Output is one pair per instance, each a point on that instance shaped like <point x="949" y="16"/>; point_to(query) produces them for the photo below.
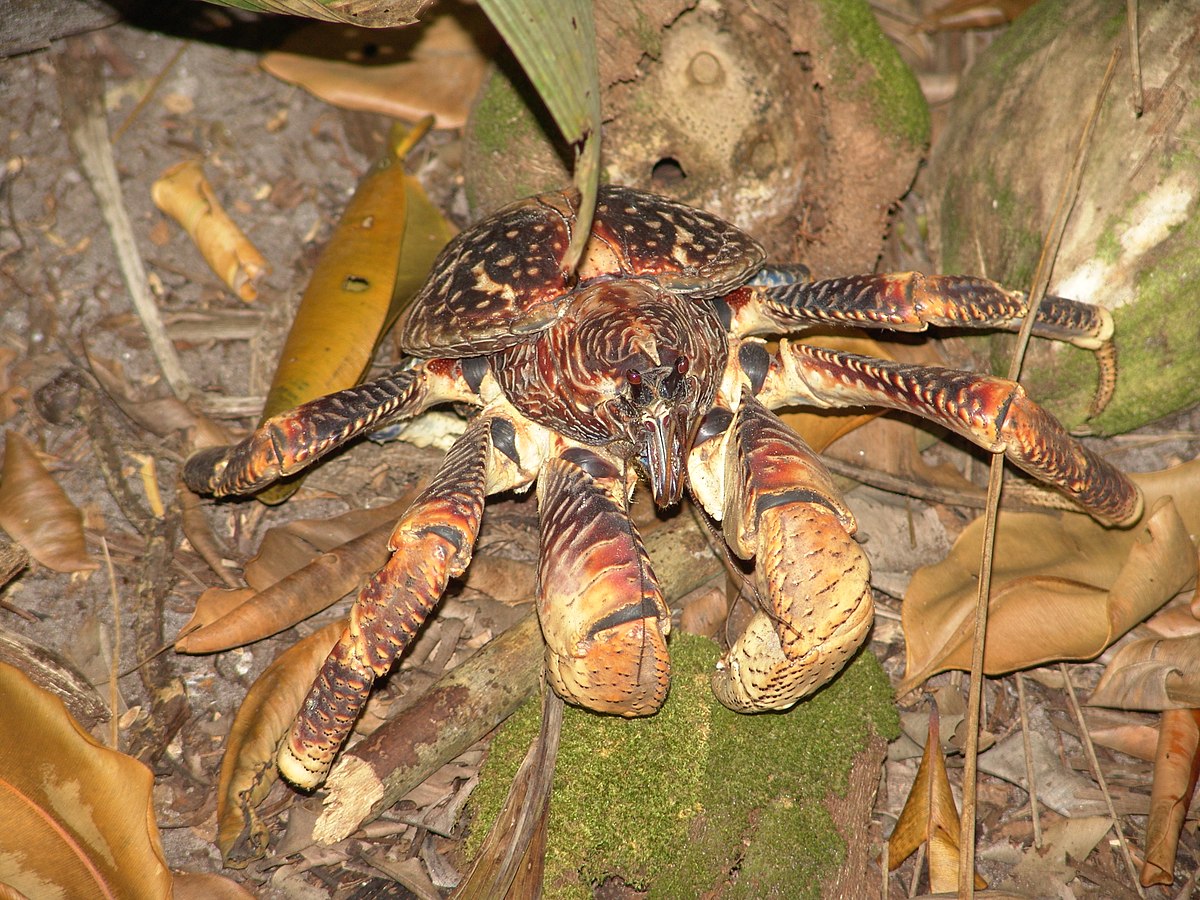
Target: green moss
<point x="674" y="803"/>
<point x="891" y="87"/>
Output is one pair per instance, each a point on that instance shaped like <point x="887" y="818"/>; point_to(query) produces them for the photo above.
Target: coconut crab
<point x="650" y="360"/>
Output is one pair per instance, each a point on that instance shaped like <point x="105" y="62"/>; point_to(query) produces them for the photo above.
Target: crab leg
<point x="602" y="613"/>
<point x="291" y="441"/>
<point x="992" y="412"/>
<point x="430" y="545"/>
<point x="910" y="301"/>
<point x="779" y="506"/>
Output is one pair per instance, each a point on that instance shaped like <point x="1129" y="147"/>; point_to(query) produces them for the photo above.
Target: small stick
<point x="1085" y="738"/>
<point x="1135" y="55"/>
<point x="1029" y="771"/>
<point x="80" y="85"/>
<point x="1041" y="280"/>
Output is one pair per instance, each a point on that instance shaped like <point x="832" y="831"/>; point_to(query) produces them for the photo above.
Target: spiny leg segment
<point x="431" y="544"/>
<point x="293" y="440"/>
<point x="992" y="412"/>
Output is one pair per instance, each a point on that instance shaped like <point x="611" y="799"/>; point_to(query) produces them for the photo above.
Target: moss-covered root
<point x="677" y="803"/>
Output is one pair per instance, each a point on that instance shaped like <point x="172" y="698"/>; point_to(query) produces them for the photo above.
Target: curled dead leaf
<point x="1176" y="766"/>
<point x="1089" y="583"/>
<point x="436" y="69"/>
<point x="930" y="815"/>
<point x="37" y="513"/>
<point x="183" y="193"/>
<point x="84" y="813"/>
<point x="248" y="767"/>
<point x="1152" y="674"/>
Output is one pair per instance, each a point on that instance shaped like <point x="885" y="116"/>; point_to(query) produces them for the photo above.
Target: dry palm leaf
<point x="1044" y="870"/>
<point x="930" y="815"/>
<point x="1064" y="587"/>
<point x="183" y="193"/>
<point x="248" y="767"/>
<point x="1176" y="765"/>
<point x="83" y="813"/>
<point x="37" y="513"/>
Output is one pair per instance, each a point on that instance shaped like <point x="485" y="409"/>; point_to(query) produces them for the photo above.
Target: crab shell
<point x="501" y="283"/>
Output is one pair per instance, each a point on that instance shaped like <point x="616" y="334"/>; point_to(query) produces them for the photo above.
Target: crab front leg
<point x="910" y="301"/>
<point x="785" y="299"/>
<point x="603" y="615"/>
<point x="778" y="505"/>
<point x="293" y="440"/>
<point x="431" y="544"/>
<point x="992" y="412"/>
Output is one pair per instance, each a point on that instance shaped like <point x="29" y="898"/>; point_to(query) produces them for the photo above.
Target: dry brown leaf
<point x="930" y="815"/>
<point x="1176" y="765"/>
<point x="184" y="194"/>
<point x="1152" y="674"/>
<point x="287" y="548"/>
<point x="37" y="513"/>
<point x="248" y="767"/>
<point x="1118" y="731"/>
<point x="437" y="69"/>
<point x="301" y="568"/>
<point x="84" y="813"/>
<point x="1043" y="869"/>
<point x="1090" y="582"/>
<point x="208" y="886"/>
<point x="292" y="599"/>
<point x="162" y="416"/>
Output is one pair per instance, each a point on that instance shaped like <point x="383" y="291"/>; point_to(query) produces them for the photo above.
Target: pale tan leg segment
<point x="602" y="613"/>
<point x="813" y="581"/>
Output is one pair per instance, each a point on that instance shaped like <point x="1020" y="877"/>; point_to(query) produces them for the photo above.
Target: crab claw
<point x="663" y="442"/>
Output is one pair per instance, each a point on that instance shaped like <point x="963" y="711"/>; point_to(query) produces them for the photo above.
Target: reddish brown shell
<point x="500" y="282"/>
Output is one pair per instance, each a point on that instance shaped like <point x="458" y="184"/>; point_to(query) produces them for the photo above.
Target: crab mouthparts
<point x="662" y="448"/>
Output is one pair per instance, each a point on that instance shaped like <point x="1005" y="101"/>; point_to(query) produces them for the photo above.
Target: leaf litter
<point x="58" y="269"/>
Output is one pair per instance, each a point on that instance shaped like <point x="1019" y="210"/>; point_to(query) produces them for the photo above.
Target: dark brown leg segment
<point x="811" y="577"/>
<point x="910" y="301"/>
<point x="291" y="441"/>
<point x="602" y="613"/>
<point x="430" y="545"/>
<point x="992" y="412"/>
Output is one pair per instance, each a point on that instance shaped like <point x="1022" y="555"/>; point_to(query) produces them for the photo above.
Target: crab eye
<point x="633" y="376"/>
<point x="682" y="365"/>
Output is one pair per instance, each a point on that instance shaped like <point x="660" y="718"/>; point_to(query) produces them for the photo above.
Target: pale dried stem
<point x="1030" y="773"/>
<point x="114" y="695"/>
<point x="1041" y="280"/>
<point x="1089" y="748"/>
<point x="81" y="90"/>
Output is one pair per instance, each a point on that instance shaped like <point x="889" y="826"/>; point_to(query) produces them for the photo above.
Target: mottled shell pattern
<point x="501" y="282"/>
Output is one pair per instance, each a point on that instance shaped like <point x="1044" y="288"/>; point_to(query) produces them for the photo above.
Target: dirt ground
<point x="285" y="164"/>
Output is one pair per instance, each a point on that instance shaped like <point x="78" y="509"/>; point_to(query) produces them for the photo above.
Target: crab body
<point x="651" y="360"/>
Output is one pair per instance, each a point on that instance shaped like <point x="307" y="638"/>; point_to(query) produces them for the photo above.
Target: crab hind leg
<point x="432" y="543"/>
<point x="779" y="506"/>
<point x="603" y="615"/>
<point x="291" y="441"/>
<point x="992" y="412"/>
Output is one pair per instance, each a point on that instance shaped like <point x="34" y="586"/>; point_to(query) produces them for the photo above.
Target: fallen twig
<point x="81" y="89"/>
